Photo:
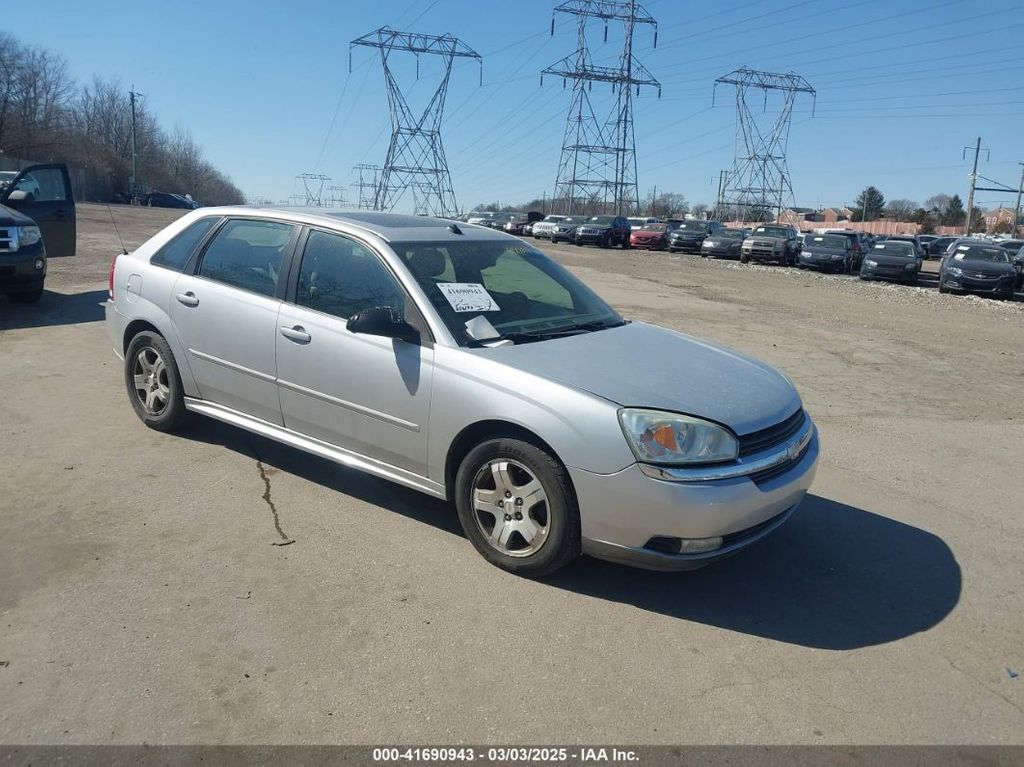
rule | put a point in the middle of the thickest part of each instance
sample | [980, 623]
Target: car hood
[11, 217]
[983, 267]
[722, 242]
[641, 365]
[685, 234]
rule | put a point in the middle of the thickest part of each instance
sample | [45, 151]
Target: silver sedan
[459, 361]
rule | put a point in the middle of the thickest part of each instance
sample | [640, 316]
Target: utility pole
[974, 181]
[132, 95]
[1016, 209]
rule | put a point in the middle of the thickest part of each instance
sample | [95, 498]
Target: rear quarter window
[175, 254]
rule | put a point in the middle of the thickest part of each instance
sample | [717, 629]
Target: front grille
[773, 435]
[981, 276]
[7, 241]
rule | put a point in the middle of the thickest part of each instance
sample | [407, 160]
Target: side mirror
[383, 321]
[20, 197]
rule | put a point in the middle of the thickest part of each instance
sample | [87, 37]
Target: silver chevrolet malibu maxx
[461, 362]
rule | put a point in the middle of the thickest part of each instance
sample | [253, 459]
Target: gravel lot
[141, 599]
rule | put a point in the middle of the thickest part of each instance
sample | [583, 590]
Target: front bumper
[719, 252]
[882, 272]
[687, 246]
[18, 270]
[820, 262]
[623, 513]
[1001, 286]
[765, 253]
[592, 238]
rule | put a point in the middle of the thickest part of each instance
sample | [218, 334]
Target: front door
[364, 393]
[226, 315]
[49, 203]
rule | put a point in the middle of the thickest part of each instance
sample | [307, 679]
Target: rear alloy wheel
[517, 507]
[154, 384]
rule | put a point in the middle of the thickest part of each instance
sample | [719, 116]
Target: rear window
[826, 241]
[176, 253]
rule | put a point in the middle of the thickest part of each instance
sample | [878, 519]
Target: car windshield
[894, 248]
[694, 226]
[603, 220]
[554, 219]
[771, 231]
[990, 253]
[825, 241]
[655, 228]
[522, 293]
[731, 234]
[1011, 245]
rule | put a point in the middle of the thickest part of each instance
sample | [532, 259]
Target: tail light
[110, 287]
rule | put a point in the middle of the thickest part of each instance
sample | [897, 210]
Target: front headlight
[910, 267]
[955, 271]
[836, 257]
[29, 235]
[659, 437]
[869, 262]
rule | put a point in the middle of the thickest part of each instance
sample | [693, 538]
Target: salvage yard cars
[463, 363]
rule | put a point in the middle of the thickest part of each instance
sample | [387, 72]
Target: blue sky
[902, 87]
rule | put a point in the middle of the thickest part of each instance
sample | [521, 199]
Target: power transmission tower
[366, 186]
[598, 163]
[415, 154]
[313, 187]
[759, 181]
[336, 196]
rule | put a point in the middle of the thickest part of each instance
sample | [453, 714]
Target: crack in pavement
[285, 540]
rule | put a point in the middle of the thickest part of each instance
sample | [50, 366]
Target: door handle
[296, 333]
[189, 299]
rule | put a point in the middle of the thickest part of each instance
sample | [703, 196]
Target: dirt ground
[141, 600]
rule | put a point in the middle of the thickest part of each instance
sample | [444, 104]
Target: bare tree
[900, 210]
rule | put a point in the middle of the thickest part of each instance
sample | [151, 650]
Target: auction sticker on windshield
[468, 297]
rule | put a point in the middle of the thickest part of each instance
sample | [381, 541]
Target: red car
[651, 237]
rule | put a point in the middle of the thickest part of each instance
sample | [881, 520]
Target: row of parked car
[970, 265]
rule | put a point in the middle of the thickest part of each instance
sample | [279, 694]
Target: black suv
[604, 231]
[37, 219]
[690, 235]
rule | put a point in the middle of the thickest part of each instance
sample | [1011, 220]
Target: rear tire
[503, 525]
[154, 384]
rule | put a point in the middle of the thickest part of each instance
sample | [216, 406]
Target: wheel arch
[475, 433]
[134, 328]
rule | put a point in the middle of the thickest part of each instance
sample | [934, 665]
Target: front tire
[744, 258]
[517, 507]
[154, 384]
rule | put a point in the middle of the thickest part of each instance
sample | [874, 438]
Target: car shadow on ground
[53, 309]
[834, 577]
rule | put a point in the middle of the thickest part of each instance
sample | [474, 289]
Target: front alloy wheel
[517, 507]
[511, 507]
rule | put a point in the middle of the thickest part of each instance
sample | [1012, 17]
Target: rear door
[225, 314]
[50, 204]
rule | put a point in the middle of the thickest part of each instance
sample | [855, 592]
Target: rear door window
[247, 254]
